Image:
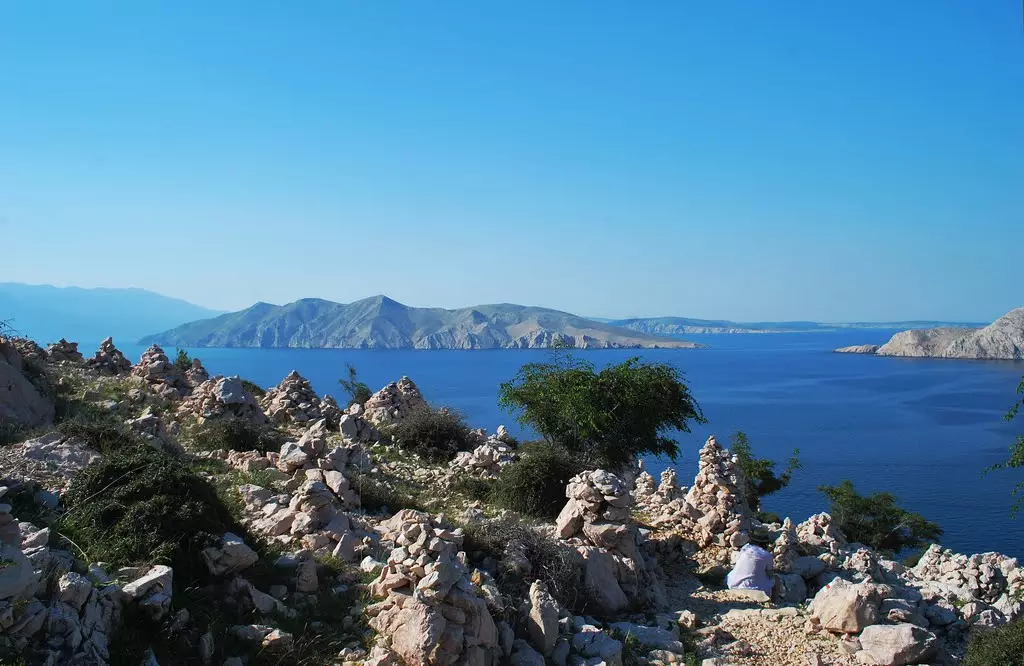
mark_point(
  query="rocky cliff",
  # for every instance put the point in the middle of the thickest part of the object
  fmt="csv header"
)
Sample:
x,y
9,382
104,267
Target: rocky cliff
x,y
382,323
1003,339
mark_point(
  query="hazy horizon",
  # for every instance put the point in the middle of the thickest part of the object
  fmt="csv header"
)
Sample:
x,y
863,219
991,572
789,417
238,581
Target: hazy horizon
x,y
747,162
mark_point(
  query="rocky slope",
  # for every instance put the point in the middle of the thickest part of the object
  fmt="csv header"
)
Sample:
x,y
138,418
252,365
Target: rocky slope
x,y
1003,339
344,549
381,323
674,326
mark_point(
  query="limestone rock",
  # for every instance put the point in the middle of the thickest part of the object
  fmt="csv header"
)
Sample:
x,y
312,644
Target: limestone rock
x,y
222,397
542,622
293,401
230,556
162,376
394,402
20,401
109,360
844,607
896,645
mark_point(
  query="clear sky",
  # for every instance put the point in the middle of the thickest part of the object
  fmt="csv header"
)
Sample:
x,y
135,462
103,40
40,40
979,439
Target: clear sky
x,y
742,160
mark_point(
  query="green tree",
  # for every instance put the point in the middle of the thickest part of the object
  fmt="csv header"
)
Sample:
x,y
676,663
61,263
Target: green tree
x,y
877,520
606,418
182,361
1016,459
760,475
358,390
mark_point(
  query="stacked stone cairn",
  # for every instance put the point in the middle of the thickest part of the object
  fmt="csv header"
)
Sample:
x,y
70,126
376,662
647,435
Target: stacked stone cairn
x,y
394,402
64,352
163,377
486,460
29,350
70,621
196,374
596,520
353,426
293,401
222,397
432,614
713,511
151,429
109,360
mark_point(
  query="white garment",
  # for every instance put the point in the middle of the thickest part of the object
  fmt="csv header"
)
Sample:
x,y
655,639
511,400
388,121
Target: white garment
x,y
751,570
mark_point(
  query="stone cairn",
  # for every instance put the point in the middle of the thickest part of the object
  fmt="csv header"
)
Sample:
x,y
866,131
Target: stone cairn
x,y
293,401
64,352
992,584
432,614
223,397
151,429
72,620
354,427
196,374
162,376
596,520
109,360
486,460
394,402
29,350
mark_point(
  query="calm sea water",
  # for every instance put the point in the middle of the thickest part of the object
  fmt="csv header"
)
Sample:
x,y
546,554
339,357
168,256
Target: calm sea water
x,y
922,429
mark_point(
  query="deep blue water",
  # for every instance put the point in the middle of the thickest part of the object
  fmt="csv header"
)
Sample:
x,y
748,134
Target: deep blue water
x,y
922,429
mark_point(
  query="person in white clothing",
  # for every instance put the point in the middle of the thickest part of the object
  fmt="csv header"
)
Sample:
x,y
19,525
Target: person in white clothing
x,y
753,570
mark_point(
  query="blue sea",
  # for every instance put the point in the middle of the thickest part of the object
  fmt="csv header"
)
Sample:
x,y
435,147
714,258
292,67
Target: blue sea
x,y
923,429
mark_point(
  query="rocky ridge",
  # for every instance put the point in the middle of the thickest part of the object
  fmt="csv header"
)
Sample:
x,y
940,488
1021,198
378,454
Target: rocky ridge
x,y
1003,339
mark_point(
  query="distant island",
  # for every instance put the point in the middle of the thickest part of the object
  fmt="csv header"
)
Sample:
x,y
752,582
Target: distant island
x,y
1003,339
675,326
382,323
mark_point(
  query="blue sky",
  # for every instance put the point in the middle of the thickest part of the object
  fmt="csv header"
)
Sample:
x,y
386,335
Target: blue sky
x,y
742,160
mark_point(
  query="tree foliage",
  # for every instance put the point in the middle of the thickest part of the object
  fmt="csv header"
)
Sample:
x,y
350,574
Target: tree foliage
x,y
1002,646
358,391
877,520
606,418
1016,459
760,475
182,361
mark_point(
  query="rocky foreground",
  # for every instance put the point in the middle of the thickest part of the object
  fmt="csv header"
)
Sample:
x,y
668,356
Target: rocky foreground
x,y
322,572
1003,339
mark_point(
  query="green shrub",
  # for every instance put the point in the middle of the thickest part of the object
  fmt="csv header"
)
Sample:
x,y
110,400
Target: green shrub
x,y
254,388
1002,646
375,494
475,488
1016,459
535,484
877,521
144,506
435,434
759,473
358,391
606,418
182,361
233,432
100,430
514,543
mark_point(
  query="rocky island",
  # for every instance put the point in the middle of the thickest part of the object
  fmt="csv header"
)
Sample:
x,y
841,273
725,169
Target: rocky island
x,y
155,514
382,323
1003,339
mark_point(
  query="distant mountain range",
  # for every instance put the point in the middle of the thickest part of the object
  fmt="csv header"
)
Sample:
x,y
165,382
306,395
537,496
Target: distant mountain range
x,y
382,323
1003,339
676,326
46,313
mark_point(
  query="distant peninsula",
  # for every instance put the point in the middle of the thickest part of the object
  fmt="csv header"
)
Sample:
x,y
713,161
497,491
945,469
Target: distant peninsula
x,y
676,326
382,323
1003,339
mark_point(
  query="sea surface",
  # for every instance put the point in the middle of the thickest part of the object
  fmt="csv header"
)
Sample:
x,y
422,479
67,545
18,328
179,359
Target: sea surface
x,y
923,429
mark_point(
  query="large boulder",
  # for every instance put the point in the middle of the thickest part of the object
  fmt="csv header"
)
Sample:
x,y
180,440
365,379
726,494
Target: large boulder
x,y
20,402
542,622
896,645
846,608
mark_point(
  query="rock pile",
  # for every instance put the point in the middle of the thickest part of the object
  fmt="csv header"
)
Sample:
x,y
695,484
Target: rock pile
x,y
986,589
355,428
109,360
484,461
162,376
21,403
394,402
432,614
196,374
64,352
596,520
292,401
713,511
70,621
223,397
28,349
61,454
151,429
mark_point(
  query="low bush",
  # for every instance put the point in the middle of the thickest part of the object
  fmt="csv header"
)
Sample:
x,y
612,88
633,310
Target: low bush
x,y
375,494
254,388
182,361
534,485
877,520
1002,646
232,432
144,506
100,430
358,392
474,488
435,434
525,554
